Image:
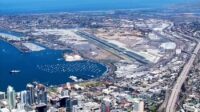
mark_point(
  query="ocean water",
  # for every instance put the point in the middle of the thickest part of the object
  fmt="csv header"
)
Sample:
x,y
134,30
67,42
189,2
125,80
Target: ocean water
x,y
37,6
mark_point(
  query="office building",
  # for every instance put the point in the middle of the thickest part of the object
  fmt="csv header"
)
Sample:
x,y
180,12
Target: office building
x,y
2,95
41,94
11,97
23,97
30,94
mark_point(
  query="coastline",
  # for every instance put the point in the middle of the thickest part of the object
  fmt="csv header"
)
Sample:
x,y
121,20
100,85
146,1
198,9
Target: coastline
x,y
105,73
3,40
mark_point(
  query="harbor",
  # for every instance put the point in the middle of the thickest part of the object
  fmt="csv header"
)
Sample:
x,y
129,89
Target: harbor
x,y
46,66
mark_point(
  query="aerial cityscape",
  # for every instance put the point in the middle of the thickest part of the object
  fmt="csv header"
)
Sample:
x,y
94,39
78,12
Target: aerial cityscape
x,y
113,56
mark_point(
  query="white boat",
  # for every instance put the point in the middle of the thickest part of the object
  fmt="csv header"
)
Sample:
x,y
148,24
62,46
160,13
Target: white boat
x,y
59,59
15,71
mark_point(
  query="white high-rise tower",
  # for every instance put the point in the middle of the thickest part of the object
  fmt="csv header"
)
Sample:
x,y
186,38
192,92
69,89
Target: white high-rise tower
x,y
11,97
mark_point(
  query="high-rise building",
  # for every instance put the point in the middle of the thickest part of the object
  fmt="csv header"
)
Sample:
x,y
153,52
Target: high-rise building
x,y
68,103
23,97
30,94
41,97
65,93
11,97
41,94
64,102
2,95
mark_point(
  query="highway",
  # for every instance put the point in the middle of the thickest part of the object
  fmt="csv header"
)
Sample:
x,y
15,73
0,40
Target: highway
x,y
113,48
171,105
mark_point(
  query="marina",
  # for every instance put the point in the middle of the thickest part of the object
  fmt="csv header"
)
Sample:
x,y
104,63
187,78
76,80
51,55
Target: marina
x,y
46,66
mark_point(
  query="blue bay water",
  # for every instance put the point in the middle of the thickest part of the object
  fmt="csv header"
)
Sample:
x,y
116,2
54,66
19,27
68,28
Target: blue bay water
x,y
43,67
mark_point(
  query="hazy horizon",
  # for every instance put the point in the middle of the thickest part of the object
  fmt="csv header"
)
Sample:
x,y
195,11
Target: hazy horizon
x,y
7,6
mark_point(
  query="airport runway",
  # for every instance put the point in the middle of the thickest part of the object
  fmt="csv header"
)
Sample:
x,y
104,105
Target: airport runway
x,y
114,48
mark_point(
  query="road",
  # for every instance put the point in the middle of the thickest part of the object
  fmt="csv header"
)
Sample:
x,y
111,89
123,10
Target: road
x,y
113,48
171,105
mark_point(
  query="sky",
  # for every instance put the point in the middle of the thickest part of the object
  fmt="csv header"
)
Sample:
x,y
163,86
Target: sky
x,y
82,5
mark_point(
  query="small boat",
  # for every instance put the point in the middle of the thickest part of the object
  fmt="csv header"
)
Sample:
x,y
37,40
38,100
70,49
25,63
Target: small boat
x,y
59,59
15,71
